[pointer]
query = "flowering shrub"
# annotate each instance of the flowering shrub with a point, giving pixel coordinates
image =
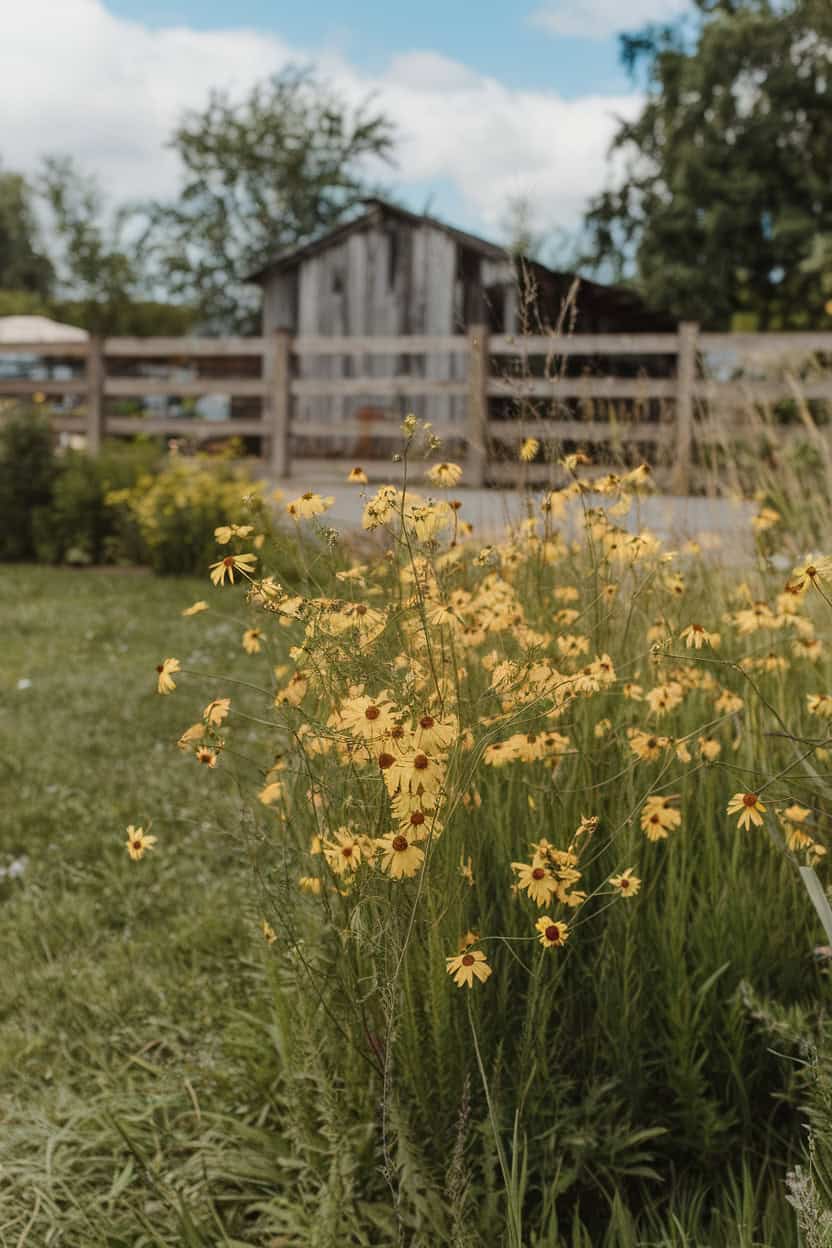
(177, 510)
(489, 795)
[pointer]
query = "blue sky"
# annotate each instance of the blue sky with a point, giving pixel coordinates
(491, 99)
(495, 37)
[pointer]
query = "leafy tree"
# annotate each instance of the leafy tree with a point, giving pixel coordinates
(23, 265)
(99, 260)
(727, 189)
(288, 160)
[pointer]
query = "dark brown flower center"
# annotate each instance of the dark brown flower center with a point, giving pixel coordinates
(385, 761)
(538, 873)
(160, 668)
(468, 960)
(417, 818)
(372, 712)
(346, 851)
(553, 933)
(749, 799)
(228, 561)
(651, 743)
(400, 843)
(427, 721)
(420, 762)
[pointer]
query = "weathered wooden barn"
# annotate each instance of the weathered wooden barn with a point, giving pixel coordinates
(391, 272)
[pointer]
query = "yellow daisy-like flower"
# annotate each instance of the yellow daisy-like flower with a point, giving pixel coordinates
(709, 748)
(695, 636)
(251, 640)
(225, 532)
(271, 793)
(216, 711)
(196, 608)
(207, 757)
(343, 854)
(138, 841)
(646, 745)
(658, 817)
(269, 934)
(308, 506)
(552, 934)
(626, 883)
(465, 967)
(445, 475)
(528, 450)
(230, 564)
(536, 879)
(819, 704)
(357, 476)
(400, 857)
(195, 733)
(165, 671)
(749, 808)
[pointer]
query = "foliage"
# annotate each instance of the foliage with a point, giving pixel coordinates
(261, 173)
(726, 196)
(177, 510)
(24, 266)
(27, 474)
(97, 265)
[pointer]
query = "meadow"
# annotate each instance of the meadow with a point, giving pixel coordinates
(448, 934)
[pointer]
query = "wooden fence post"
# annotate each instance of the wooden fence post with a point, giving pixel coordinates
(277, 406)
(477, 415)
(95, 395)
(685, 381)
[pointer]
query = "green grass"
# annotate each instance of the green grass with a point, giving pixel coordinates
(122, 982)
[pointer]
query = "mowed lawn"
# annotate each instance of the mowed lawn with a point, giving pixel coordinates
(123, 983)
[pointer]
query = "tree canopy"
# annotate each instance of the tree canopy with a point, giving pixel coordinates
(24, 265)
(725, 207)
(288, 160)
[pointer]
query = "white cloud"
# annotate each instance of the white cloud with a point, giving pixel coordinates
(74, 78)
(598, 19)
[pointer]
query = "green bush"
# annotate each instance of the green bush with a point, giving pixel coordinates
(27, 474)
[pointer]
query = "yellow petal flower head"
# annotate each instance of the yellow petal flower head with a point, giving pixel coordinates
(357, 476)
(251, 641)
(465, 967)
(626, 883)
(206, 756)
(658, 817)
(552, 934)
(695, 636)
(269, 934)
(529, 450)
(230, 564)
(445, 475)
(536, 879)
(216, 711)
(165, 670)
(400, 858)
(138, 841)
(225, 532)
(819, 704)
(196, 608)
(308, 506)
(749, 808)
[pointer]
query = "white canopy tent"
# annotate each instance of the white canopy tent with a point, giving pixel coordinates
(34, 329)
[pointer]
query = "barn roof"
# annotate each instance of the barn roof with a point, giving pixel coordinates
(376, 211)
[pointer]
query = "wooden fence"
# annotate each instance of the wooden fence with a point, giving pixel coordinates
(672, 412)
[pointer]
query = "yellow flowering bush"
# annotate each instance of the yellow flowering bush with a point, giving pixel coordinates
(512, 769)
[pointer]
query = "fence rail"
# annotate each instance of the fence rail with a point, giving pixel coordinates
(497, 367)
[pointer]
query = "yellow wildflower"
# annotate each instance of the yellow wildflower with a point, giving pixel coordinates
(230, 564)
(165, 670)
(465, 967)
(196, 608)
(626, 883)
(308, 506)
(445, 475)
(138, 841)
(749, 807)
(552, 934)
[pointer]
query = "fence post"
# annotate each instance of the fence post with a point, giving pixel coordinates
(277, 405)
(477, 415)
(95, 395)
(685, 381)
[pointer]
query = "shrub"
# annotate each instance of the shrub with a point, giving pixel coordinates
(27, 475)
(176, 511)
